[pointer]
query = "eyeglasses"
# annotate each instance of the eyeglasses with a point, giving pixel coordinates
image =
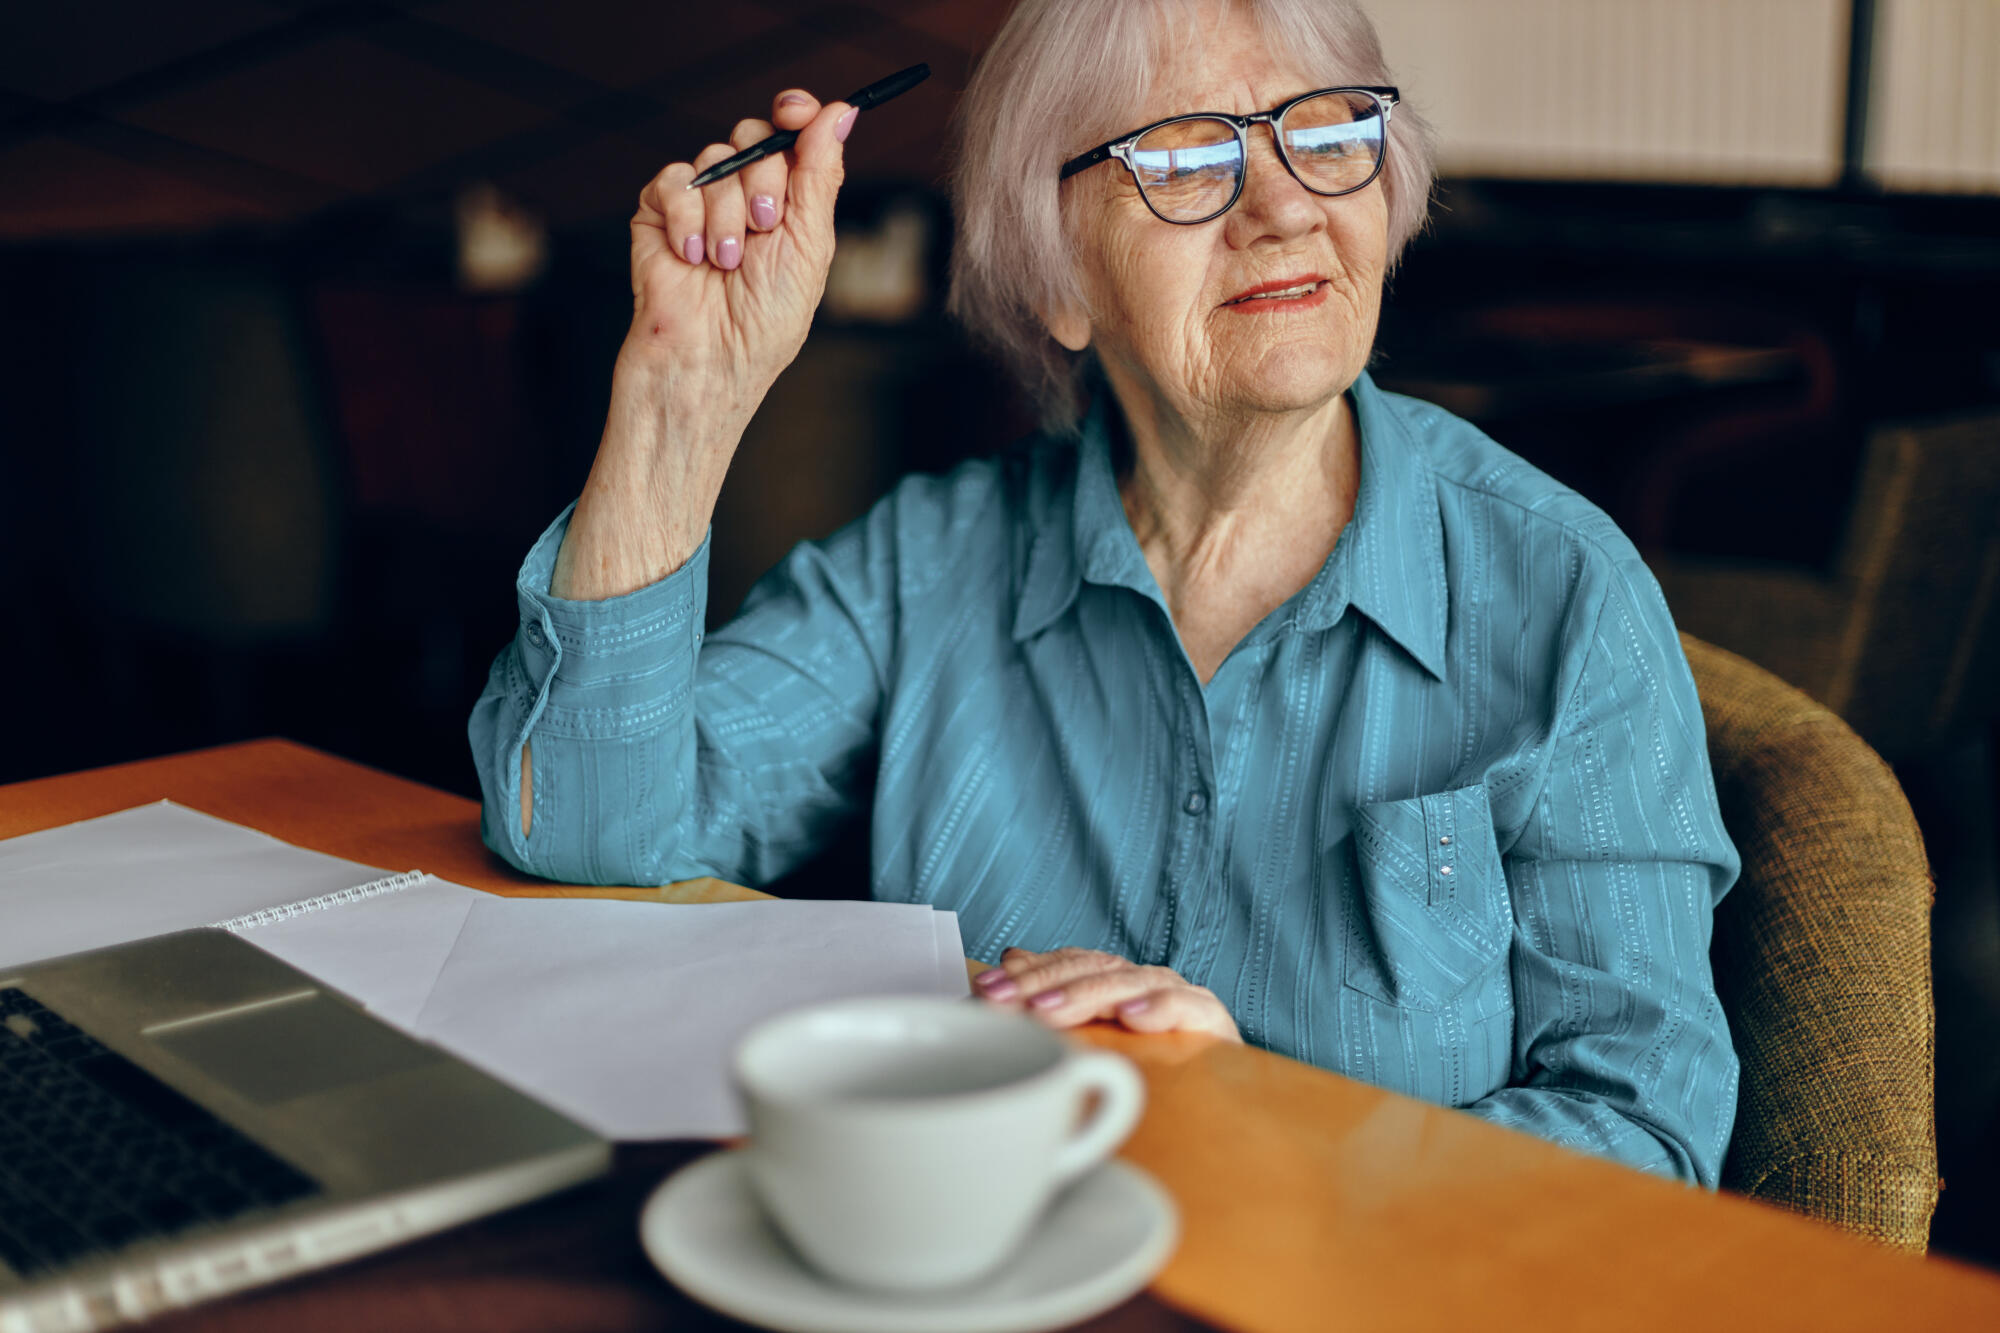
(1190, 168)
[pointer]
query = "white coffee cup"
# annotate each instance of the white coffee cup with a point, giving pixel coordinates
(907, 1143)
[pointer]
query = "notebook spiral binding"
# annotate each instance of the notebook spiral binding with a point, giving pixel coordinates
(266, 916)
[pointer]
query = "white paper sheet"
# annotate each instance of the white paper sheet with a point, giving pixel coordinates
(384, 952)
(952, 978)
(624, 1015)
(145, 872)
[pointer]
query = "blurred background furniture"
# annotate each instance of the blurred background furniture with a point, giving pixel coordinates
(1822, 960)
(1903, 638)
(1642, 399)
(209, 527)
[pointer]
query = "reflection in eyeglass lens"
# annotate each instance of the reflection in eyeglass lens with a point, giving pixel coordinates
(1188, 169)
(1335, 141)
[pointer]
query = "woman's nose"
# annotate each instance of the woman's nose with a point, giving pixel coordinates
(1273, 201)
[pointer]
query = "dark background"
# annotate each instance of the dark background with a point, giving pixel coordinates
(268, 462)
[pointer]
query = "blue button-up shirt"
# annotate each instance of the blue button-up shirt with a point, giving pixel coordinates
(1443, 821)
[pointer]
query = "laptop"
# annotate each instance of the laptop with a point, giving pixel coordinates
(187, 1116)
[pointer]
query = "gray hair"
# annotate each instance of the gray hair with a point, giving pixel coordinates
(1077, 68)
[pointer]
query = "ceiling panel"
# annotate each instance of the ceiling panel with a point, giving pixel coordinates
(58, 49)
(113, 113)
(341, 111)
(614, 42)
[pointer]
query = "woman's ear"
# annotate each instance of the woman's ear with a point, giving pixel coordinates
(1068, 326)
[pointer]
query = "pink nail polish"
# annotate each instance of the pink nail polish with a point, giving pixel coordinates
(844, 124)
(764, 211)
(728, 252)
(691, 248)
(1048, 999)
(1138, 1006)
(992, 976)
(793, 99)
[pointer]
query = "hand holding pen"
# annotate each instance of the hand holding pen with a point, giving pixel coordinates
(725, 280)
(759, 207)
(715, 224)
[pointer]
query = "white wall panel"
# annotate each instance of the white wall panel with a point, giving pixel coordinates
(1934, 121)
(1723, 91)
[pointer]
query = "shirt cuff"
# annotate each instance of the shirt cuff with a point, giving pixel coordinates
(633, 650)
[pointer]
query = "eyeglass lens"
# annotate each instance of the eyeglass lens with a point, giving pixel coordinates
(1189, 170)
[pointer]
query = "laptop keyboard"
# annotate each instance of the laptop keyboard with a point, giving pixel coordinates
(96, 1153)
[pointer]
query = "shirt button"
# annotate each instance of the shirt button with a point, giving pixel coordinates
(1445, 841)
(1444, 870)
(1195, 803)
(535, 634)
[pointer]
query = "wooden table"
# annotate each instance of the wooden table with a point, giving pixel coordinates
(1308, 1201)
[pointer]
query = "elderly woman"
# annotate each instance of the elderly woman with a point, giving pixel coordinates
(1245, 698)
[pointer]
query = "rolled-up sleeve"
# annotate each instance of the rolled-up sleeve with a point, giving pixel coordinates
(1621, 1047)
(658, 756)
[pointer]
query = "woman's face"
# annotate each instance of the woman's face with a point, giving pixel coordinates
(1162, 316)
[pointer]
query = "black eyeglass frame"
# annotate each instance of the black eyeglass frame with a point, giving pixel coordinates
(1121, 147)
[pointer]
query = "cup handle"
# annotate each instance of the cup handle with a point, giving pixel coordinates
(1122, 1095)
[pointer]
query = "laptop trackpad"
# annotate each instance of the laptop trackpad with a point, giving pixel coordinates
(274, 1052)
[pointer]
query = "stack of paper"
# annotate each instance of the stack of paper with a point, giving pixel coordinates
(621, 1014)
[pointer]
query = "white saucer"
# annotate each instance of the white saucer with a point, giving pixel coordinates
(1102, 1240)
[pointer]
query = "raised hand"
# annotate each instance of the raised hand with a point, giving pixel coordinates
(728, 276)
(725, 280)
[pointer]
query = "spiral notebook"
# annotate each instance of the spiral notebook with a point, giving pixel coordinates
(621, 1014)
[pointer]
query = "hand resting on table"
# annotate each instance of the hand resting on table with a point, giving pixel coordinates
(1067, 987)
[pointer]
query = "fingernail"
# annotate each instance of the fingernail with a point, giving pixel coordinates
(844, 124)
(692, 249)
(793, 99)
(992, 976)
(764, 211)
(1003, 989)
(1138, 1006)
(728, 252)
(1048, 999)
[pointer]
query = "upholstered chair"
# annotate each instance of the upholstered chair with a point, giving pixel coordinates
(1822, 960)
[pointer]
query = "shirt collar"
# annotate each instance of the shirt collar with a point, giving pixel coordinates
(1394, 570)
(1388, 564)
(1081, 538)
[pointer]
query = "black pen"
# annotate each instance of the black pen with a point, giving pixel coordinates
(872, 96)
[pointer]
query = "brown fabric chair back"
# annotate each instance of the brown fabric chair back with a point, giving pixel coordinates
(1822, 960)
(1917, 664)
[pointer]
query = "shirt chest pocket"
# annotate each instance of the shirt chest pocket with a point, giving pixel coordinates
(1432, 919)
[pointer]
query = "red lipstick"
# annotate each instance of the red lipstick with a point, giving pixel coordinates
(1254, 300)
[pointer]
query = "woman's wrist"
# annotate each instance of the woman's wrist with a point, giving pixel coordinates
(622, 537)
(704, 390)
(668, 441)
